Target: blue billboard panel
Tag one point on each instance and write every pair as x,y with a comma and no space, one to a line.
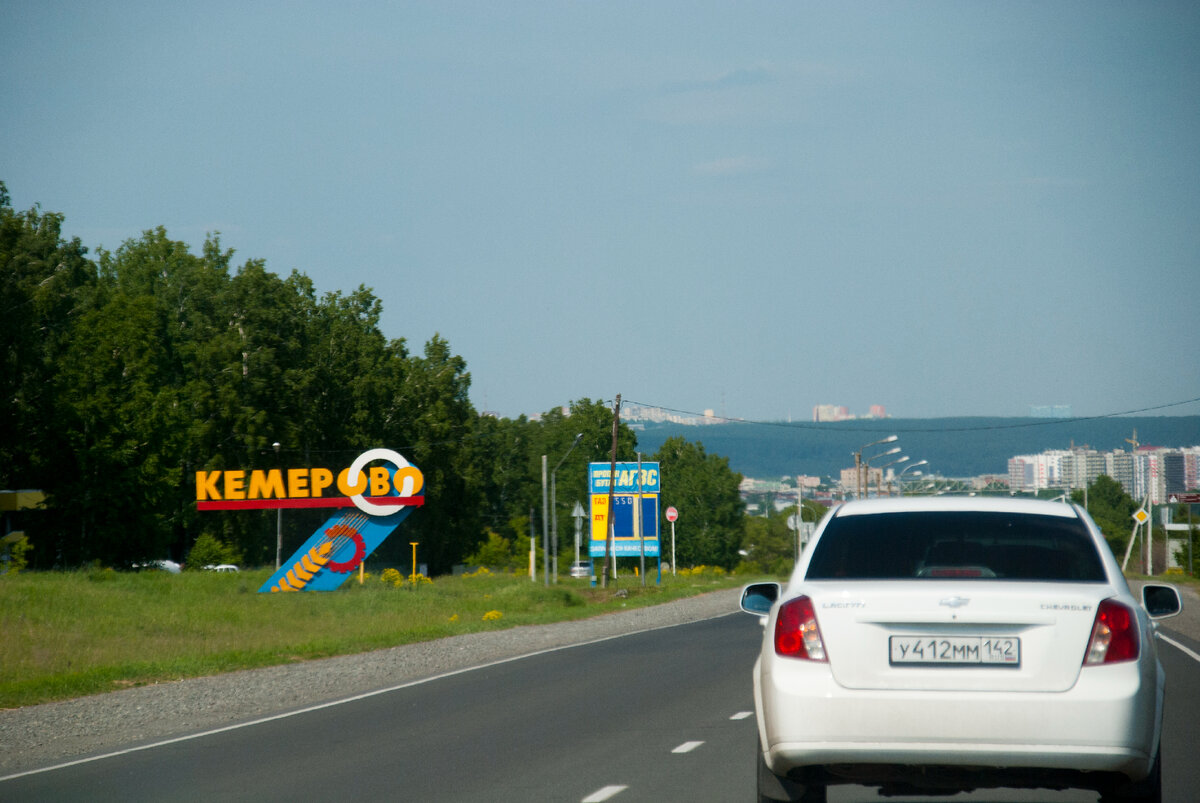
625,540
629,481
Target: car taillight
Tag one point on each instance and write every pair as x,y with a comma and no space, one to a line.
796,631
1114,635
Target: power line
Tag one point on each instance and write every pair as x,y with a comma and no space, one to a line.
977,428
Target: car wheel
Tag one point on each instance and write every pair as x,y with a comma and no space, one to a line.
773,788
1147,790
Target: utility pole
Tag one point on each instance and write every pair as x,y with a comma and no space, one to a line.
612,478
1148,540
545,526
637,517
278,516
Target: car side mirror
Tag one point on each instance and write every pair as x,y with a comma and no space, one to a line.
1161,601
757,598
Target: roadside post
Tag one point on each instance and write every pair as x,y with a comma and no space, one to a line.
637,518
672,514
1186,499
579,514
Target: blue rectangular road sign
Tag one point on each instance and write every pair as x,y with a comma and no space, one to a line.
627,478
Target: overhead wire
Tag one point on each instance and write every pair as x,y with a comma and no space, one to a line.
978,428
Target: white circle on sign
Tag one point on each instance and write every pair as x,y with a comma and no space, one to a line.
356,468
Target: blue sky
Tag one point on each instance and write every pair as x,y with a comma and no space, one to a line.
947,208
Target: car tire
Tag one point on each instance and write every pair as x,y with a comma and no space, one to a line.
1147,790
773,788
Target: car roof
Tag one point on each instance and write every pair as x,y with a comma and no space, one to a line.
982,504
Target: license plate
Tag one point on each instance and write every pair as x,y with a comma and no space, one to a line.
956,650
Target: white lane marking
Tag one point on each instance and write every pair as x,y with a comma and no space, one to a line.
687,747
601,795
1195,656
354,698
742,715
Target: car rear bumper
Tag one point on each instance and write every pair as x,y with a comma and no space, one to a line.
1108,722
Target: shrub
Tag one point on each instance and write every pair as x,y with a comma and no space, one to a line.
12,553
210,551
702,570
499,552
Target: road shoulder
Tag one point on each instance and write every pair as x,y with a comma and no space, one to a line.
44,735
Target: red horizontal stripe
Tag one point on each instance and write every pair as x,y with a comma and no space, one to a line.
333,501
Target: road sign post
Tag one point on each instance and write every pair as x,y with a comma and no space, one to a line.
1189,500
579,514
672,514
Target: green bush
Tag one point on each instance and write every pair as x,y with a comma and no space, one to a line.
12,553
210,551
498,553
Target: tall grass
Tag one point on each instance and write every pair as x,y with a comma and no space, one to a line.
77,633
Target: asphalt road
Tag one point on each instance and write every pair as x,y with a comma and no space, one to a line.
655,716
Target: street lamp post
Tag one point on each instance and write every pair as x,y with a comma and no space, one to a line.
278,518
554,498
906,469
799,520
879,487
858,461
866,464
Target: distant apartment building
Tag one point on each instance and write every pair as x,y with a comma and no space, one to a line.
805,481
1081,467
1173,474
1034,472
1049,411
1121,467
1020,474
1150,471
1191,468
660,415
839,412
873,480
831,412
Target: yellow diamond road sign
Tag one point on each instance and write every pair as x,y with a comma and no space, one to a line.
1141,516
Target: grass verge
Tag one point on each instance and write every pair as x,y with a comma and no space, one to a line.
71,634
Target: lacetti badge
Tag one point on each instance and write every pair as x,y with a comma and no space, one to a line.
373,500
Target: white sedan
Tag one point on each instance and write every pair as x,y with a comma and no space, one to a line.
953,643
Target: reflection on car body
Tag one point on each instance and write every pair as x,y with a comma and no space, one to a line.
947,644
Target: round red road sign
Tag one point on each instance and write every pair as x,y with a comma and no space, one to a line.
672,514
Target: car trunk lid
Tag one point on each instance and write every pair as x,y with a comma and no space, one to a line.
950,635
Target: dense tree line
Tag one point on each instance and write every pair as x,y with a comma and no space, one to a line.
125,374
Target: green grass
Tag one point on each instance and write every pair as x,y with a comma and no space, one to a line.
70,634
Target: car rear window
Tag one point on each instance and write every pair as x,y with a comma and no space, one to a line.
955,545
